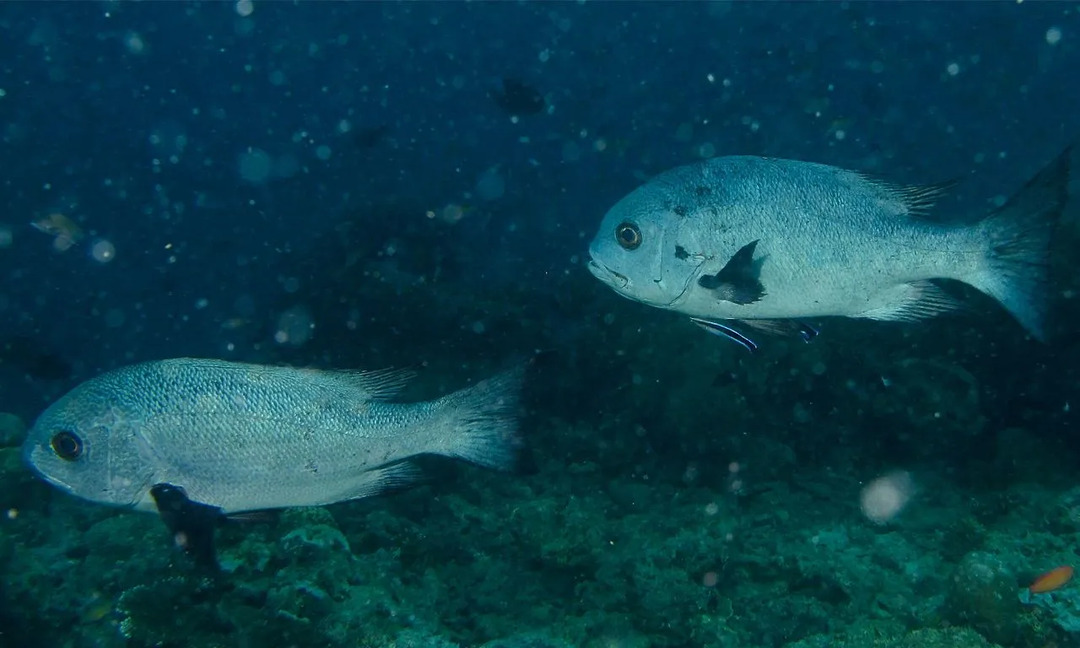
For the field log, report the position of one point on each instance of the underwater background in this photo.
(372, 185)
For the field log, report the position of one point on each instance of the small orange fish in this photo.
(1051, 580)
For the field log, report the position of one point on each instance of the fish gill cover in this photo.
(415, 185)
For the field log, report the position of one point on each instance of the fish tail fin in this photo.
(479, 423)
(1017, 236)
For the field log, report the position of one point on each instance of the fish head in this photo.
(639, 250)
(84, 444)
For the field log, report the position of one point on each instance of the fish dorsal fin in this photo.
(380, 384)
(912, 200)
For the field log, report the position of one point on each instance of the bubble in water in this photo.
(255, 165)
(491, 185)
(294, 326)
(884, 498)
(102, 251)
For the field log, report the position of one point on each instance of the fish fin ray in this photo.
(739, 280)
(379, 384)
(481, 421)
(380, 480)
(1017, 262)
(910, 302)
(784, 327)
(915, 201)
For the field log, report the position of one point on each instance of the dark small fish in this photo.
(365, 138)
(519, 98)
(34, 358)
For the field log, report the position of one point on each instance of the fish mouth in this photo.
(607, 275)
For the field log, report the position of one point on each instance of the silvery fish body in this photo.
(770, 242)
(245, 437)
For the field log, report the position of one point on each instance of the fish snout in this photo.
(607, 275)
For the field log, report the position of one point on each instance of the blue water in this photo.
(334, 185)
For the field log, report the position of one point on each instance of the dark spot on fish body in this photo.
(701, 191)
(681, 253)
(680, 210)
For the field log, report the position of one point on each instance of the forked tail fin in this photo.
(479, 423)
(1017, 236)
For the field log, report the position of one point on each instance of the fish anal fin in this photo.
(909, 302)
(739, 280)
(380, 480)
(191, 523)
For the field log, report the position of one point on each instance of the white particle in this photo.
(840, 134)
(1053, 36)
(6, 237)
(134, 43)
(323, 152)
(244, 8)
(883, 499)
(953, 69)
(201, 303)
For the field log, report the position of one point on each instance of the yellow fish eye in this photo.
(628, 236)
(67, 445)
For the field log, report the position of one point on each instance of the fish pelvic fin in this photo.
(479, 423)
(1017, 239)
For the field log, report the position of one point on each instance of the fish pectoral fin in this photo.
(784, 327)
(725, 331)
(910, 302)
(739, 280)
(191, 523)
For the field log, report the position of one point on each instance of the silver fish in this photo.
(241, 437)
(771, 243)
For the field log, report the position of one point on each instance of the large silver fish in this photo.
(772, 243)
(241, 437)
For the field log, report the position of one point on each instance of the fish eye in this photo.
(628, 236)
(67, 445)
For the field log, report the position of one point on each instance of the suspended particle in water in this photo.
(102, 251)
(885, 497)
(294, 326)
(244, 8)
